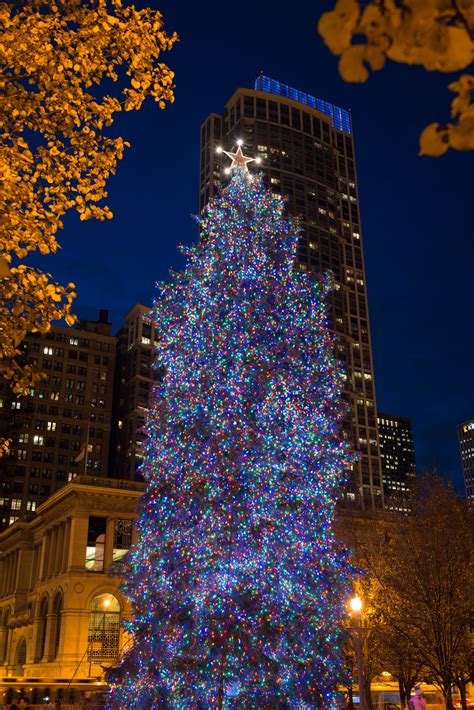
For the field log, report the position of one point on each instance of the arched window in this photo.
(104, 628)
(42, 626)
(21, 655)
(56, 631)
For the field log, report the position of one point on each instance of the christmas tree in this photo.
(237, 583)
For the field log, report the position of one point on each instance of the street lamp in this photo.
(356, 606)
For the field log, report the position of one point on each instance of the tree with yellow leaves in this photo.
(436, 34)
(55, 152)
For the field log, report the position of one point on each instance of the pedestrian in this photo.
(25, 703)
(418, 701)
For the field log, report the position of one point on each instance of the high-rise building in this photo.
(397, 451)
(306, 148)
(134, 381)
(466, 445)
(62, 429)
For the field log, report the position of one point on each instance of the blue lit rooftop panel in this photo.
(341, 118)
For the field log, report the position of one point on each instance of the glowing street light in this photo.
(356, 605)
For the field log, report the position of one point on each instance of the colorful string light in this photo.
(237, 582)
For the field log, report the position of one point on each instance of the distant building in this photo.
(466, 445)
(397, 451)
(307, 151)
(134, 382)
(61, 611)
(62, 429)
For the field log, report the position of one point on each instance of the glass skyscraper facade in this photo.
(307, 155)
(397, 450)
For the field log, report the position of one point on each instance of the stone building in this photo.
(60, 607)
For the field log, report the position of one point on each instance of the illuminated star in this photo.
(239, 160)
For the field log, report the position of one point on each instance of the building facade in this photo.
(397, 450)
(63, 428)
(61, 610)
(134, 380)
(466, 446)
(306, 148)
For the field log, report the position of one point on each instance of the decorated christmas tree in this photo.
(237, 583)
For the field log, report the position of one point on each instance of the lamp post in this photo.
(356, 606)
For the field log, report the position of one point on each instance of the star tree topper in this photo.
(239, 160)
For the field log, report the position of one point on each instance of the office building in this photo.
(397, 451)
(307, 151)
(134, 381)
(466, 445)
(63, 428)
(61, 607)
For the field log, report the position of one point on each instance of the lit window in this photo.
(122, 539)
(31, 505)
(16, 405)
(38, 440)
(16, 504)
(73, 341)
(51, 426)
(47, 350)
(104, 628)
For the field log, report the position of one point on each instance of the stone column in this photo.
(78, 542)
(45, 555)
(66, 544)
(52, 552)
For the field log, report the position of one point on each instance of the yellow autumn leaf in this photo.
(434, 140)
(4, 268)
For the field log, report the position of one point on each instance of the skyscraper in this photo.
(397, 451)
(62, 429)
(307, 152)
(134, 381)
(466, 445)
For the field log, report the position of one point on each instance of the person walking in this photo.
(418, 701)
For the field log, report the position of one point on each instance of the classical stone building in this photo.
(60, 606)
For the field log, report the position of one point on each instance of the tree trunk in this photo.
(403, 696)
(462, 690)
(368, 696)
(448, 697)
(350, 699)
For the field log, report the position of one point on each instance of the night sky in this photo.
(418, 251)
